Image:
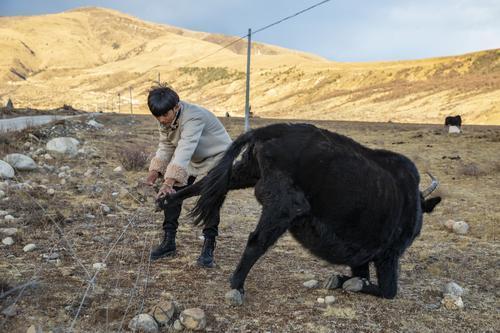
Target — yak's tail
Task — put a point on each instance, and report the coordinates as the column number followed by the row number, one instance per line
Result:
column 216, row 184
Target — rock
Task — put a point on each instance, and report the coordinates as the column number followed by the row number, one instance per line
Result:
column 63, row 181
column 353, row 284
column 118, row 169
column 63, row 145
column 311, row 284
column 47, row 157
column 164, row 312
column 193, row 319
column 8, row 231
column 234, row 297
column 51, row 256
column 51, row 191
column 3, row 213
column 320, row 300
column 61, row 174
column 449, row 224
column 88, row 173
column 329, row 300
column 2, row 194
column 8, row 241
column 105, row 208
column 6, row 171
column 99, row 266
column 64, row 168
column 9, row 218
column 39, row 151
column 460, row 227
column 34, row 329
column 177, row 325
column 21, row 162
column 452, row 302
column 10, row 311
column 143, row 323
column 454, row 129
column 453, row 289
column 95, row 124
column 29, row 247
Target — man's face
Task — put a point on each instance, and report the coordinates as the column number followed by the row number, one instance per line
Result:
column 167, row 119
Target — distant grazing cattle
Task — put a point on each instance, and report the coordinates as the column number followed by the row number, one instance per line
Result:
column 453, row 121
column 344, row 202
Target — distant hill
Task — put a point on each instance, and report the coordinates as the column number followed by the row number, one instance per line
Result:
column 85, row 57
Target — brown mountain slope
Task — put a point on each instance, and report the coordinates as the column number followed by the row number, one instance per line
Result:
column 85, row 57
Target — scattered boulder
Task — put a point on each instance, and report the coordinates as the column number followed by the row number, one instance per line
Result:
column 460, row 227
column 63, row 145
column 452, row 302
column 453, row 289
column 8, row 241
column 29, row 247
column 8, row 231
column 6, row 170
column 193, row 319
column 21, row 162
column 143, row 323
column 234, row 297
column 95, row 124
column 164, row 312
column 311, row 284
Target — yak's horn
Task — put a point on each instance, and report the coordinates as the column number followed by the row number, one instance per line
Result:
column 432, row 187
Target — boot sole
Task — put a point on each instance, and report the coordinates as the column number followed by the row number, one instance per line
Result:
column 164, row 255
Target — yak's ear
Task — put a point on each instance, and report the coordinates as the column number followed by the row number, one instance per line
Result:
column 429, row 204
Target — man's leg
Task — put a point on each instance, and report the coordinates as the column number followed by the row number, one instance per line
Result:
column 206, row 258
column 167, row 248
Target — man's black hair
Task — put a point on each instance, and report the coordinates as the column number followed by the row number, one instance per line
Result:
column 161, row 99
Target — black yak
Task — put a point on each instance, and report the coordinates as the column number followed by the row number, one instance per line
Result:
column 346, row 203
column 453, row 121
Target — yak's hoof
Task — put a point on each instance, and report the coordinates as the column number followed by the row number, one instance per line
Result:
column 354, row 284
column 235, row 297
column 333, row 282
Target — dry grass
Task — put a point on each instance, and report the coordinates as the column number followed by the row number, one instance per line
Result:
column 132, row 158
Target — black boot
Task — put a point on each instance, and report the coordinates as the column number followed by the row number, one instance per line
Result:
column 206, row 258
column 166, row 248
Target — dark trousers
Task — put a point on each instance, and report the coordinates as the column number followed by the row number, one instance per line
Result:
column 172, row 213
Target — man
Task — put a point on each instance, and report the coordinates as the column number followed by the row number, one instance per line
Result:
column 192, row 140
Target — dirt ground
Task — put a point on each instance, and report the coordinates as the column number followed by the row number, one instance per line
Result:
column 467, row 165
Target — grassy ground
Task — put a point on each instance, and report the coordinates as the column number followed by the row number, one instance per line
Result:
column 468, row 167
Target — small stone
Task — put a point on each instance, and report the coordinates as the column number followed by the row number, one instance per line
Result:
column 193, row 319
column 143, row 323
column 9, row 218
column 449, row 224
column 51, row 256
column 64, row 168
column 51, row 191
column 99, row 266
column 452, row 302
column 95, row 124
column 6, row 170
column 105, row 208
column 10, row 311
column 8, row 241
column 21, row 162
column 353, row 284
column 329, row 300
column 320, row 300
column 63, row 181
column 460, row 227
column 311, row 284
column 453, row 289
column 34, row 329
column 163, row 312
column 2, row 194
column 234, row 297
column 177, row 325
column 61, row 175
column 48, row 157
column 88, row 173
column 29, row 247
column 3, row 213
column 8, row 231
column 118, row 169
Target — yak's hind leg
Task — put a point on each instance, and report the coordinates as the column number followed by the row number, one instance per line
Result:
column 337, row 280
column 282, row 204
column 387, row 277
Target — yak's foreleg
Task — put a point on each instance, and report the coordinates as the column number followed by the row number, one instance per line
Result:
column 282, row 204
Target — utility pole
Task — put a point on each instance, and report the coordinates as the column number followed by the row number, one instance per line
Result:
column 159, row 82
column 130, row 93
column 119, row 102
column 247, row 96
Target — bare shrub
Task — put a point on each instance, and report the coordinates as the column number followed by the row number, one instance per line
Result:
column 133, row 158
column 470, row 169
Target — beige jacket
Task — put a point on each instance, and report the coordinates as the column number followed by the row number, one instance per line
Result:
column 191, row 146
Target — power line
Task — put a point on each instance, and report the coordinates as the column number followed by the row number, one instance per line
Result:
column 289, row 17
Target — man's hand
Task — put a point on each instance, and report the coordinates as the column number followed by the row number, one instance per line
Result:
column 152, row 177
column 166, row 188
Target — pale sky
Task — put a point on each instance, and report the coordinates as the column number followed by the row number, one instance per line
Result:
column 340, row 30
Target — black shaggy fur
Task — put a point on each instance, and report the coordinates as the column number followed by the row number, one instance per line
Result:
column 453, row 121
column 344, row 202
